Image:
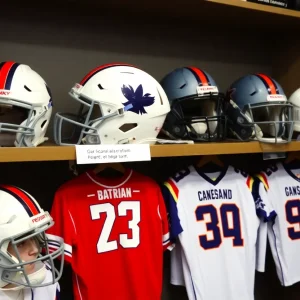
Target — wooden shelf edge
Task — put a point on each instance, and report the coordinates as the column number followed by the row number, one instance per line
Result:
column 258, row 7
column 57, row 153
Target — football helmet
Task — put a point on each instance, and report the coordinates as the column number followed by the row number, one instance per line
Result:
column 295, row 101
column 25, row 106
column 196, row 106
column 22, row 218
column 119, row 104
column 257, row 109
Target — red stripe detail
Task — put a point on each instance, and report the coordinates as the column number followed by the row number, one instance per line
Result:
column 248, row 181
column 4, row 72
column 269, row 82
column 24, row 197
column 265, row 179
column 174, row 187
column 90, row 74
column 200, row 74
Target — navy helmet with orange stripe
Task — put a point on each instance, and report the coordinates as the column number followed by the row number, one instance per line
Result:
column 25, row 106
column 257, row 109
column 120, row 104
column 196, row 104
column 24, row 222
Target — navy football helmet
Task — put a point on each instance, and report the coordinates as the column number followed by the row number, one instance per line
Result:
column 257, row 109
column 196, row 105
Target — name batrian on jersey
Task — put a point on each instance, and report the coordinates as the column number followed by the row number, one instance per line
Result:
column 215, row 194
column 292, row 190
column 116, row 193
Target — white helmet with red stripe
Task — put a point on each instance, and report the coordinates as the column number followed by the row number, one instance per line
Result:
column 25, row 106
column 22, row 218
column 120, row 104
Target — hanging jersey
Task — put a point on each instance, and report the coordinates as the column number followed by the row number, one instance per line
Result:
column 283, row 187
column 114, row 231
column 49, row 292
column 216, row 220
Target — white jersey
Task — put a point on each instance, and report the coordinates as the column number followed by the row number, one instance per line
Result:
column 50, row 292
column 283, row 187
column 215, row 218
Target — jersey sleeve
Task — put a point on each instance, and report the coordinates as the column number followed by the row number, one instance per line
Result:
column 57, row 296
column 261, row 246
column 177, row 276
column 266, row 213
column 171, row 194
column 165, row 224
column 64, row 227
column 264, row 209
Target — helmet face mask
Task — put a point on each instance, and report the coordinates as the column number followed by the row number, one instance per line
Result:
column 82, row 127
column 196, row 118
column 196, row 106
column 16, row 273
column 258, row 112
column 264, row 123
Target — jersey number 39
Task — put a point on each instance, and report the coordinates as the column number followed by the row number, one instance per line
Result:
column 219, row 225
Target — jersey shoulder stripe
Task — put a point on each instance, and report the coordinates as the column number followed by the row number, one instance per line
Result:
column 171, row 186
column 250, row 182
column 263, row 178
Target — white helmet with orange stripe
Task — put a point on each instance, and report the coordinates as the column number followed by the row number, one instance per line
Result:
column 120, row 104
column 25, row 106
column 24, row 247
column 257, row 109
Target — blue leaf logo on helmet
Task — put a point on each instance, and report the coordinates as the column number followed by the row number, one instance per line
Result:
column 136, row 100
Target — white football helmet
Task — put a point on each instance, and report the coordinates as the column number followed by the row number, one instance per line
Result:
column 21, row 218
column 295, row 100
column 120, row 104
column 25, row 106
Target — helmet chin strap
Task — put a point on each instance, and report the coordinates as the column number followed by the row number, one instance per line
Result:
column 35, row 278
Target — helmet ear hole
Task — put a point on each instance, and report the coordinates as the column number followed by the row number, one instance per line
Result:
column 44, row 123
column 128, row 126
column 27, row 88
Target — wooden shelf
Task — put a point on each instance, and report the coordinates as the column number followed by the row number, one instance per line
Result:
column 220, row 15
column 258, row 7
column 52, row 152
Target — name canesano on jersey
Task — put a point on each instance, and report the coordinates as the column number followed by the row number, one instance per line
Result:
column 215, row 194
column 292, row 190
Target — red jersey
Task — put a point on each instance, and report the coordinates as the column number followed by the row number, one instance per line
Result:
column 115, row 231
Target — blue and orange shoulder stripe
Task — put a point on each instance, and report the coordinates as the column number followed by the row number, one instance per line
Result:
column 172, row 188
